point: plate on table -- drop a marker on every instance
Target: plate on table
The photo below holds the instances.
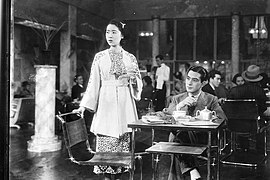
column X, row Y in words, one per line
column 199, row 119
column 152, row 120
column 200, row 122
column 181, row 119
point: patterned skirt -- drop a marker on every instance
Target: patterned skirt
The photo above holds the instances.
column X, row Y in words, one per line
column 112, row 144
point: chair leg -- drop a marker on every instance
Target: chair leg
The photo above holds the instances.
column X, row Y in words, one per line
column 156, row 166
column 265, row 143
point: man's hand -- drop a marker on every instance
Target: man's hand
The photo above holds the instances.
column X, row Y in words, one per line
column 188, row 101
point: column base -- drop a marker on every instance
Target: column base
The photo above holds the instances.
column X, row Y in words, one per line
column 38, row 144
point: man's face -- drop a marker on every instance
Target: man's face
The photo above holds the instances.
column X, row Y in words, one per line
column 193, row 82
column 80, row 80
column 158, row 60
column 216, row 80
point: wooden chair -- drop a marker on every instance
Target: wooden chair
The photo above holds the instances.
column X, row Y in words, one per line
column 244, row 119
column 76, row 137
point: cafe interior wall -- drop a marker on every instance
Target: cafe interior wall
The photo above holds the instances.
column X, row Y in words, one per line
column 93, row 16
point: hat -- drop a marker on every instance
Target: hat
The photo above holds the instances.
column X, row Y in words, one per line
column 252, row 74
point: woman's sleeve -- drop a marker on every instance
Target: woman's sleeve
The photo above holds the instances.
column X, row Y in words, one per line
column 91, row 95
column 137, row 89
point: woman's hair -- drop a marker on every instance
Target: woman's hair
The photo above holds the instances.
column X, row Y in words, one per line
column 147, row 79
column 199, row 69
column 119, row 24
column 235, row 77
column 178, row 75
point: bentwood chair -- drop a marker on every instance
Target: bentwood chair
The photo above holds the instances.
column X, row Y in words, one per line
column 76, row 138
column 244, row 119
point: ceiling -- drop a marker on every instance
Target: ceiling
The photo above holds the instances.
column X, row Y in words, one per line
column 96, row 13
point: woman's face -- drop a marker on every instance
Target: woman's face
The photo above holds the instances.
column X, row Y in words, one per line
column 113, row 35
column 239, row 80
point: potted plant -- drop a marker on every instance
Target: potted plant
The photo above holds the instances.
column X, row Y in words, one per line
column 47, row 34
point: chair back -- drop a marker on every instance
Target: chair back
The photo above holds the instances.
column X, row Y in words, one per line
column 74, row 133
column 242, row 115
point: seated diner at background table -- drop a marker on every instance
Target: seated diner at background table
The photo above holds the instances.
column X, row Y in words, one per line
column 24, row 91
column 238, row 80
column 214, row 85
column 191, row 101
column 146, row 96
column 78, row 89
column 251, row 89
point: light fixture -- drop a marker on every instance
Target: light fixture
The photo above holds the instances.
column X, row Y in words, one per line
column 145, row 33
column 205, row 62
column 197, row 62
column 260, row 30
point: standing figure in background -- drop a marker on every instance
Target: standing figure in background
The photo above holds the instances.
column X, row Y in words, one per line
column 213, row 86
column 78, row 89
column 238, row 79
column 114, row 85
column 161, row 77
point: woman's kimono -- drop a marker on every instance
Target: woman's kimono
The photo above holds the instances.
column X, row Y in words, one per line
column 112, row 100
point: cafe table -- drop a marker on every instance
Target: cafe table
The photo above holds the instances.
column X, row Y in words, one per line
column 212, row 128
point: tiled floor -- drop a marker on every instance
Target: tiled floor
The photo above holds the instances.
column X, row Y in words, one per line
column 25, row 165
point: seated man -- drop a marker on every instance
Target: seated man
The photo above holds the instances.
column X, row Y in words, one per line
column 77, row 90
column 251, row 89
column 214, row 85
column 25, row 91
column 191, row 101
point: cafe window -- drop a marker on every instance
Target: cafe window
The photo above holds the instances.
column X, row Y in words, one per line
column 184, row 45
column 205, row 36
column 224, row 39
column 254, row 37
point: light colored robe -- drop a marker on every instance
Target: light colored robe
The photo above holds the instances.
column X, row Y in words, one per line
column 112, row 100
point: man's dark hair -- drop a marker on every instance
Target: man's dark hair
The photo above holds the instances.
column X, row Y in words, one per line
column 160, row 57
column 76, row 77
column 212, row 73
column 199, row 69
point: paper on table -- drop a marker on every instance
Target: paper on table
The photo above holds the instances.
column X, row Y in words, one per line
column 151, row 119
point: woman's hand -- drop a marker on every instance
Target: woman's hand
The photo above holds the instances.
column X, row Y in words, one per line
column 80, row 110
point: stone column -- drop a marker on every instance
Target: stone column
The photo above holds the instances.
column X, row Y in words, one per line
column 68, row 56
column 44, row 139
column 155, row 41
column 235, row 43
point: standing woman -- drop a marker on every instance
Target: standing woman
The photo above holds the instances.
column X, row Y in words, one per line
column 114, row 84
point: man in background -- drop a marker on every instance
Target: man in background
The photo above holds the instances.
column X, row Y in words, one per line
column 251, row 89
column 214, row 87
column 161, row 77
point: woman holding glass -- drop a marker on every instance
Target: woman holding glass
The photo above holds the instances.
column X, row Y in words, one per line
column 114, row 84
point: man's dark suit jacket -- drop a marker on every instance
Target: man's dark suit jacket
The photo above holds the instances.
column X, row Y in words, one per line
column 207, row 88
column 250, row 91
column 77, row 91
